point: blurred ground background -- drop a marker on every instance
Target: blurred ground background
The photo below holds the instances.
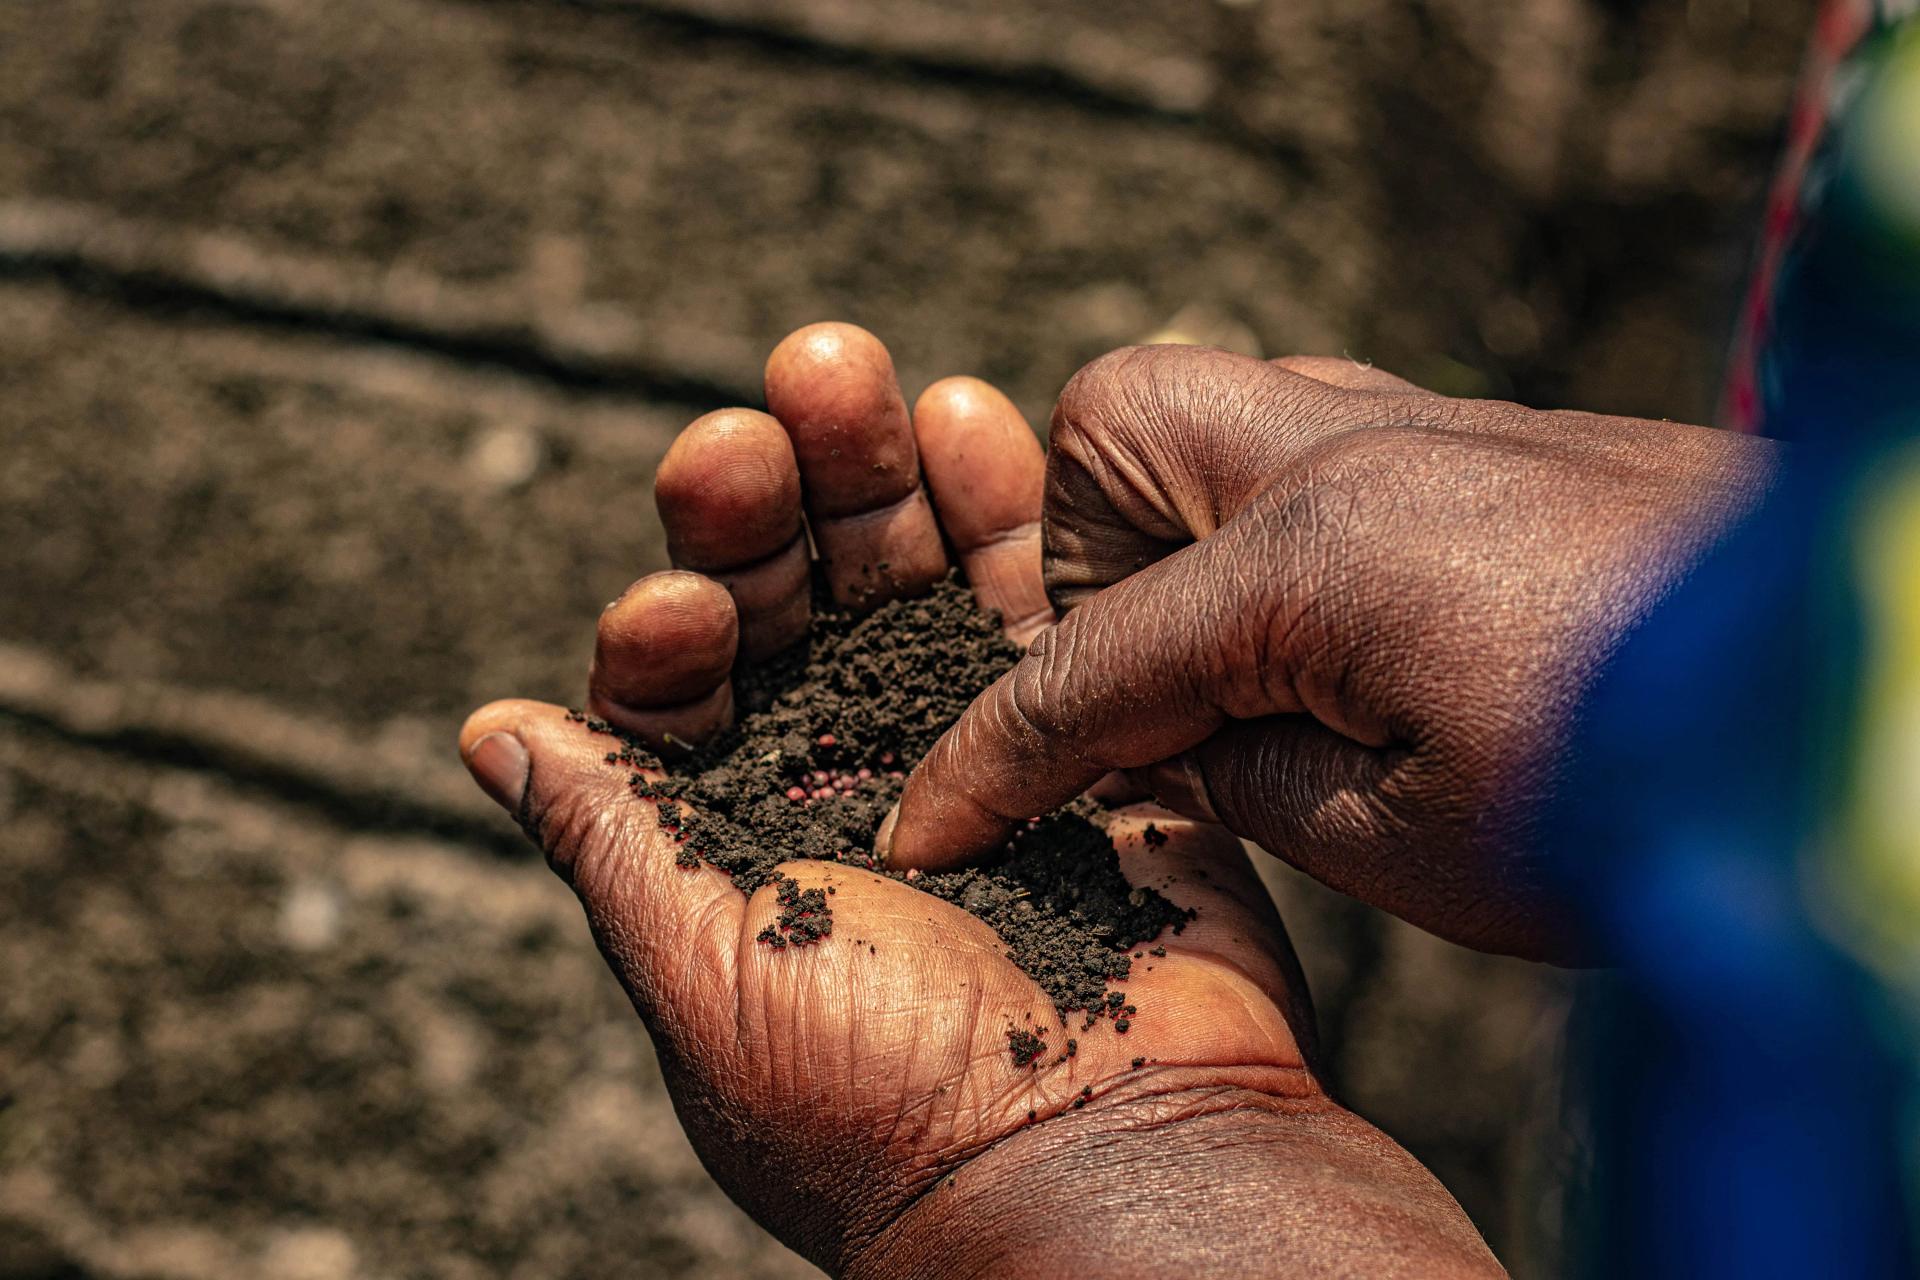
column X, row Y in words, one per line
column 338, row 343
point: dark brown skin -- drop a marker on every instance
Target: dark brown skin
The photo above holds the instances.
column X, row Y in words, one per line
column 1349, row 619
column 859, row 1099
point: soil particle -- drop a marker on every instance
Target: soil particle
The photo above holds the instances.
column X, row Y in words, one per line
column 827, row 734
column 804, row 918
column 1025, row 1046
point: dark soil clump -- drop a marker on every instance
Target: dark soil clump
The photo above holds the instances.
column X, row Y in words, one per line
column 827, row 734
column 804, row 916
column 1025, row 1046
column 1067, row 914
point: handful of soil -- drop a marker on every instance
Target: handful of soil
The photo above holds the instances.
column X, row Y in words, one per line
column 826, row 735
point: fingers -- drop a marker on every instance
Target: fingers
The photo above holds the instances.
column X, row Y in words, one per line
column 662, row 658
column 1140, row 673
column 986, row 471
column 833, row 389
column 669, row 931
column 729, row 496
column 1155, row 447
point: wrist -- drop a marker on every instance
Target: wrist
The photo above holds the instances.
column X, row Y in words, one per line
column 1261, row 1175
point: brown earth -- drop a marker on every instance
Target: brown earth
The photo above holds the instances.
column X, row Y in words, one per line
column 338, row 345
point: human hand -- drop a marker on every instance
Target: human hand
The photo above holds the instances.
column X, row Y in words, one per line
column 1349, row 618
column 859, row 1098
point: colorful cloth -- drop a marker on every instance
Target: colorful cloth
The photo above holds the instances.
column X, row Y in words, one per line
column 1843, row 215
column 1746, row 829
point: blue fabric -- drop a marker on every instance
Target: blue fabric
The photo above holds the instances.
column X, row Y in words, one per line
column 1748, row 1122
column 1750, row 1084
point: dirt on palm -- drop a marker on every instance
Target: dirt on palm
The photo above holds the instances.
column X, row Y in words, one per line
column 827, row 734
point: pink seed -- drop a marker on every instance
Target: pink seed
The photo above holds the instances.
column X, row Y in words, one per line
column 823, row 793
column 796, row 793
column 886, row 757
column 819, row 777
column 864, row 774
column 827, row 740
column 895, row 773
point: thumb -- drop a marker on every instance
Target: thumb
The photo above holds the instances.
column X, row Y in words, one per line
column 1145, row 670
column 567, row 780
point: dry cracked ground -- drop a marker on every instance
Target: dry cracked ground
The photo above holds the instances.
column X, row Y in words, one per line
column 338, row 344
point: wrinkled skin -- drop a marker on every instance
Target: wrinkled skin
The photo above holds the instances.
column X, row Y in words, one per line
column 1348, row 618
column 858, row 1097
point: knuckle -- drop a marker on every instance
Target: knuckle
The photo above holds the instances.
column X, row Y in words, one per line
column 1129, row 443
column 1345, row 473
column 1055, row 695
column 1312, row 366
column 1331, row 521
column 1035, row 691
column 1043, row 643
column 587, row 840
column 1300, row 408
column 1130, row 387
column 1072, row 691
column 1089, row 391
column 1209, row 423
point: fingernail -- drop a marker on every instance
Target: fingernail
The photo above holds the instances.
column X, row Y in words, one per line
column 1179, row 785
column 499, row 764
column 883, row 838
